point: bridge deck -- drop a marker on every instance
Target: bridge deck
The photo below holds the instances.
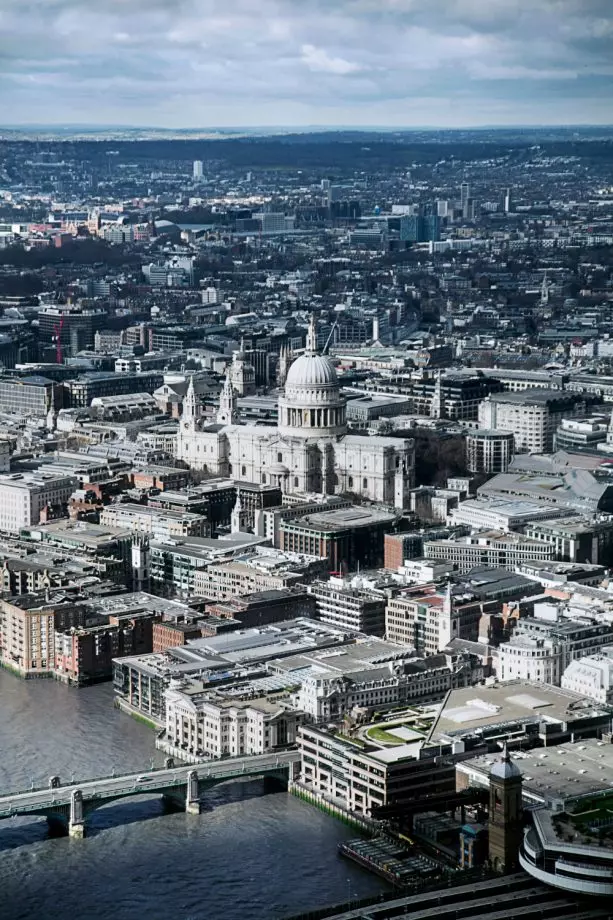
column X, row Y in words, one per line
column 155, row 781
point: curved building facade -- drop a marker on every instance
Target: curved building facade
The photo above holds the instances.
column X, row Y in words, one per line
column 559, row 854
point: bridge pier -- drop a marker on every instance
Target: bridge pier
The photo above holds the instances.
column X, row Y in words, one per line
column 76, row 820
column 192, row 794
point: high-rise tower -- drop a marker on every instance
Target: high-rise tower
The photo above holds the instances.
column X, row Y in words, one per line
column 505, row 814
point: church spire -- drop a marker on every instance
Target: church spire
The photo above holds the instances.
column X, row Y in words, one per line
column 189, row 403
column 545, row 290
column 311, row 339
column 226, row 414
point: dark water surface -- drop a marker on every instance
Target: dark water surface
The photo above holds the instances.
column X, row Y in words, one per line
column 248, row 855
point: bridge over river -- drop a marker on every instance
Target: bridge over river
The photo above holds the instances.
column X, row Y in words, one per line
column 67, row 806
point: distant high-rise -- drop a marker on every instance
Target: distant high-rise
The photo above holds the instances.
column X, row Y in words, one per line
column 508, row 203
column 198, row 169
column 464, row 194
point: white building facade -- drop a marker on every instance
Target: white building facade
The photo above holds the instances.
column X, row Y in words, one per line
column 309, row 451
column 203, row 725
column 23, row 496
column 591, row 676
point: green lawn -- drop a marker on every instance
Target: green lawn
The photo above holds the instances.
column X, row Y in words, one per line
column 380, row 734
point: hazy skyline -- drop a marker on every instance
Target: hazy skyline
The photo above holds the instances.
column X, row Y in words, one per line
column 193, row 63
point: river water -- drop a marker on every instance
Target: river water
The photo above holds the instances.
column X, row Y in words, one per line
column 248, row 855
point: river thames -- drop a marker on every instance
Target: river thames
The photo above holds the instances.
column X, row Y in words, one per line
column 247, row 854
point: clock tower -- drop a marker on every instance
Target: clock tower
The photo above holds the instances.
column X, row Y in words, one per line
column 505, row 814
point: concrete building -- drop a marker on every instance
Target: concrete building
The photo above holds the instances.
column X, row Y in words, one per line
column 262, row 570
column 363, row 779
column 264, row 607
column 587, row 539
column 365, row 409
column 140, row 681
column 268, row 521
column 591, row 676
column 344, row 603
column 156, row 522
column 27, row 498
column 489, row 451
column 490, row 548
column 33, row 396
column 174, row 561
column 108, row 548
column 532, row 416
column 581, row 434
column 502, row 514
column 346, row 538
column 543, row 649
column 202, row 723
column 561, row 851
column 528, row 715
column 330, row 692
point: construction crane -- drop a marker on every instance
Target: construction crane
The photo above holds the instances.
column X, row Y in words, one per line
column 58, row 338
column 334, row 326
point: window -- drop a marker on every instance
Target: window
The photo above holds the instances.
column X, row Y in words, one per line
column 296, row 483
column 243, row 470
column 365, row 483
column 350, row 482
column 279, row 457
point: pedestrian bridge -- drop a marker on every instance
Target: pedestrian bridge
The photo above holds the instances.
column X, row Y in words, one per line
column 69, row 805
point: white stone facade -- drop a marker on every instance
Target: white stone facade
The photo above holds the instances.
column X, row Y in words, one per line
column 309, row 451
column 203, row 725
column 591, row 676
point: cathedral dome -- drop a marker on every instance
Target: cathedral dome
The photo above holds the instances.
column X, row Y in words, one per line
column 312, row 404
column 311, row 371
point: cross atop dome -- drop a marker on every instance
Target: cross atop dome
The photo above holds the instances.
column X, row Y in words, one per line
column 311, row 339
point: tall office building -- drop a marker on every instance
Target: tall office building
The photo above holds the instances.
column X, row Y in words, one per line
column 464, row 195
column 508, row 202
column 198, row 170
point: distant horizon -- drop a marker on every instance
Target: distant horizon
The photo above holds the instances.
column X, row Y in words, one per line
column 390, row 64
column 93, row 127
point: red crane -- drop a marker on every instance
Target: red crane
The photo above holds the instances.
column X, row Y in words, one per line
column 58, row 338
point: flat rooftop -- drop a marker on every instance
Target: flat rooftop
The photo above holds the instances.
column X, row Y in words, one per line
column 342, row 519
column 79, row 531
column 557, row 773
column 504, row 506
column 242, row 646
column 148, row 511
column 470, row 709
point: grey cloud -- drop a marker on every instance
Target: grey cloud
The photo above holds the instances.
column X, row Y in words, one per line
column 192, row 62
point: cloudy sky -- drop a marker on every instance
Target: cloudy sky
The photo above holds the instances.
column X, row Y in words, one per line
column 199, row 63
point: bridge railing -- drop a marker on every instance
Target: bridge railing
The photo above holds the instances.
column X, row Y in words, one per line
column 73, row 781
column 214, row 768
